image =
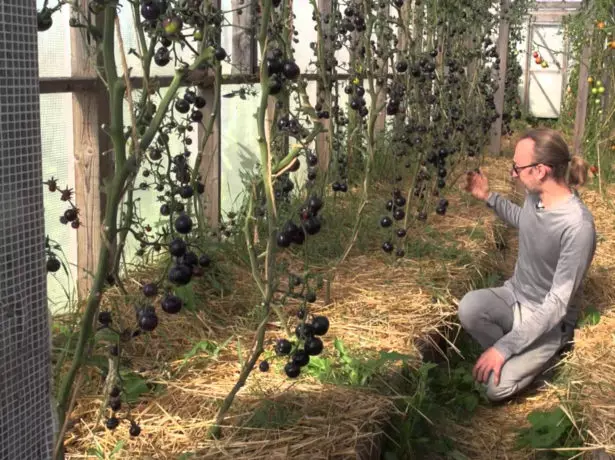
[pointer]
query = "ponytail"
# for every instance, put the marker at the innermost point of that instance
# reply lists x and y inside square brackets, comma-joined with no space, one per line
[577,171]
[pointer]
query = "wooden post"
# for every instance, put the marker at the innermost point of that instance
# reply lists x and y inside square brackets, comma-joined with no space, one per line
[93,159]
[608,83]
[582,96]
[243,55]
[496,130]
[322,140]
[383,67]
[210,167]
[528,64]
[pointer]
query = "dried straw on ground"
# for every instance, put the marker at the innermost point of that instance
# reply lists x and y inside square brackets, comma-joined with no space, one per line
[270,419]
[587,391]
[591,387]
[375,305]
[273,417]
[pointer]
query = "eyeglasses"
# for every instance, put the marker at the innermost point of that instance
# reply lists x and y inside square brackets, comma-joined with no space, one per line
[516,168]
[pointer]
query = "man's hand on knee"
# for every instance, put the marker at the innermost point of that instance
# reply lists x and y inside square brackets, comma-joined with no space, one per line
[490,360]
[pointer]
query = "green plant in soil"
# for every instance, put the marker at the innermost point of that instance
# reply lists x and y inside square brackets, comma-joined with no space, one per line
[552,429]
[428,397]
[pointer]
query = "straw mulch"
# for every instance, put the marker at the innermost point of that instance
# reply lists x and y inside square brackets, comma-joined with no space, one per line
[586,387]
[591,386]
[375,305]
[272,417]
[383,305]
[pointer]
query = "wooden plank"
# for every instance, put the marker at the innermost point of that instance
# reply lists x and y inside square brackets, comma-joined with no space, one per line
[243,55]
[210,167]
[91,83]
[556,6]
[90,111]
[323,140]
[565,67]
[502,46]
[550,18]
[582,96]
[608,72]
[381,93]
[528,65]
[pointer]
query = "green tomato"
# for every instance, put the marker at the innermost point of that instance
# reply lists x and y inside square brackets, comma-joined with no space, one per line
[172,25]
[601,89]
[594,90]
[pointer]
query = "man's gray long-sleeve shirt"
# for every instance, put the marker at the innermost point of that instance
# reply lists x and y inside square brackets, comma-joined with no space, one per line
[556,248]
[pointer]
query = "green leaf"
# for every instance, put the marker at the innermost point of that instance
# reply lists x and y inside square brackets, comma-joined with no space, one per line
[96,452]
[119,446]
[339,346]
[106,335]
[98,361]
[590,316]
[215,283]
[186,293]
[470,402]
[133,386]
[547,429]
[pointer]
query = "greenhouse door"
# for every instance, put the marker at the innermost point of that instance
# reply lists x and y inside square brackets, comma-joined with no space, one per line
[544,86]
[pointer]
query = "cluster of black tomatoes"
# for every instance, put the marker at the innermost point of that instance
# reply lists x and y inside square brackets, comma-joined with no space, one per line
[115,398]
[308,333]
[309,224]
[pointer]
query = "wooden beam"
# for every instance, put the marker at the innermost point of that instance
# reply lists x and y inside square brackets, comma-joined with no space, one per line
[528,65]
[565,68]
[607,83]
[210,167]
[496,130]
[198,77]
[323,139]
[90,111]
[538,6]
[243,55]
[582,96]
[382,95]
[549,18]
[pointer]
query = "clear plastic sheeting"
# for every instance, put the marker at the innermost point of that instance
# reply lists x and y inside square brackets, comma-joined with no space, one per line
[26,424]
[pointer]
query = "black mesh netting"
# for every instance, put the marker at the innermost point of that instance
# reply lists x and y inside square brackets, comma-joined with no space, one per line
[26,423]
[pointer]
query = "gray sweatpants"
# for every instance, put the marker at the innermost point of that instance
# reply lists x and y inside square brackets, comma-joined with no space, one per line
[487,315]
